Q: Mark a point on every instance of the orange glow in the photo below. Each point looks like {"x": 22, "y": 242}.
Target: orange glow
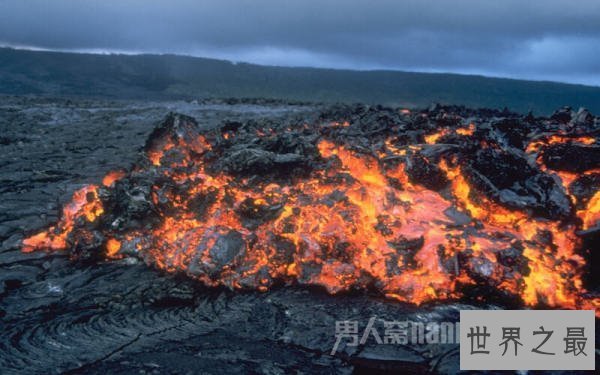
{"x": 591, "y": 215}
{"x": 111, "y": 177}
{"x": 535, "y": 146}
{"x": 358, "y": 222}
{"x": 566, "y": 177}
{"x": 433, "y": 138}
{"x": 343, "y": 124}
{"x": 468, "y": 131}
{"x": 85, "y": 203}
{"x": 112, "y": 247}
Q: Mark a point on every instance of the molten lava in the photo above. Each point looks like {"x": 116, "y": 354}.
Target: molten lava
{"x": 345, "y": 218}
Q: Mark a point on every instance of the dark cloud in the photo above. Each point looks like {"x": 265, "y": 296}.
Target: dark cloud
{"x": 541, "y": 39}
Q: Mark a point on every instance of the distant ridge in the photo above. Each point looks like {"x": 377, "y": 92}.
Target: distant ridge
{"x": 158, "y": 77}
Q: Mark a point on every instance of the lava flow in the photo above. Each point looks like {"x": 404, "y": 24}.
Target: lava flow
{"x": 416, "y": 206}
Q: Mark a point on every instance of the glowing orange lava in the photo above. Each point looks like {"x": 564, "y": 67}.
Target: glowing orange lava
{"x": 84, "y": 204}
{"x": 357, "y": 222}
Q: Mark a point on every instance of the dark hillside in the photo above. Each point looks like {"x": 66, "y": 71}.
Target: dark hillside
{"x": 173, "y": 77}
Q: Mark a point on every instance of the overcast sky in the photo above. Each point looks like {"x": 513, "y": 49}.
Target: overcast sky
{"x": 532, "y": 39}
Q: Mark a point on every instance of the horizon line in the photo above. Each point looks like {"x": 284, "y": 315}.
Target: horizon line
{"x": 118, "y": 52}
